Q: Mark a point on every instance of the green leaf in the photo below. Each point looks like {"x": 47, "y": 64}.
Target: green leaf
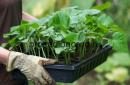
{"x": 81, "y": 37}
{"x": 119, "y": 42}
{"x": 48, "y": 32}
{"x": 11, "y": 35}
{"x": 24, "y": 22}
{"x": 103, "y": 6}
{"x": 24, "y": 40}
{"x": 91, "y": 12}
{"x": 72, "y": 11}
{"x": 116, "y": 28}
{"x": 59, "y": 50}
{"x": 57, "y": 37}
{"x": 44, "y": 20}
{"x": 71, "y": 37}
{"x": 34, "y": 25}
{"x": 61, "y": 20}
{"x": 104, "y": 20}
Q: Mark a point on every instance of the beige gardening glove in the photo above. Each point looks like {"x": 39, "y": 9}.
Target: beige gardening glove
{"x": 31, "y": 66}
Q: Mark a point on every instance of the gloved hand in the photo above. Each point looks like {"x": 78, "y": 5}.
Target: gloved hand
{"x": 31, "y": 67}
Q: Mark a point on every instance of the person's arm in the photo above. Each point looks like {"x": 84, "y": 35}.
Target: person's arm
{"x": 28, "y": 17}
{"x": 4, "y": 55}
{"x": 30, "y": 65}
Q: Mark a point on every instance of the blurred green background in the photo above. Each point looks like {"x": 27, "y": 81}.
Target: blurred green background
{"x": 116, "y": 71}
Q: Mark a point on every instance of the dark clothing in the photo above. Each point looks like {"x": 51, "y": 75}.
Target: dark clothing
{"x": 10, "y": 15}
{"x": 14, "y": 77}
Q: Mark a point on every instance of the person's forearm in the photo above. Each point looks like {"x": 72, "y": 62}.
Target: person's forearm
{"x": 4, "y": 55}
{"x": 28, "y": 17}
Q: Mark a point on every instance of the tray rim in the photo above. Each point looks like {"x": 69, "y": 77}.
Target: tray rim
{"x": 75, "y": 66}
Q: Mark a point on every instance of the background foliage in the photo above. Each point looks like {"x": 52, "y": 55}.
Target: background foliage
{"x": 116, "y": 71}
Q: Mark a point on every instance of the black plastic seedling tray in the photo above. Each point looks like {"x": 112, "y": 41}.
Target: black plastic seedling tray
{"x": 70, "y": 73}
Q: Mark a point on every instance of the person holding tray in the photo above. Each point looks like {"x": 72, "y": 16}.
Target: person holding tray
{"x": 31, "y": 66}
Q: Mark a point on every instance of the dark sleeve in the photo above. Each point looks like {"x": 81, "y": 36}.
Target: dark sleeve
{"x": 10, "y": 15}
{"x": 6, "y": 3}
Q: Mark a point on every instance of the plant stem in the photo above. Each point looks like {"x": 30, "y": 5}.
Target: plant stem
{"x": 47, "y": 50}
{"x": 33, "y": 43}
{"x": 52, "y": 51}
{"x": 32, "y": 52}
{"x": 66, "y": 56}
{"x": 44, "y": 55}
{"x": 20, "y": 48}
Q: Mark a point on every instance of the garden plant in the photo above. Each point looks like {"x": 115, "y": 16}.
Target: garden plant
{"x": 70, "y": 35}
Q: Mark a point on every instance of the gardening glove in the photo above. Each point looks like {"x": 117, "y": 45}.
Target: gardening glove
{"x": 31, "y": 66}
